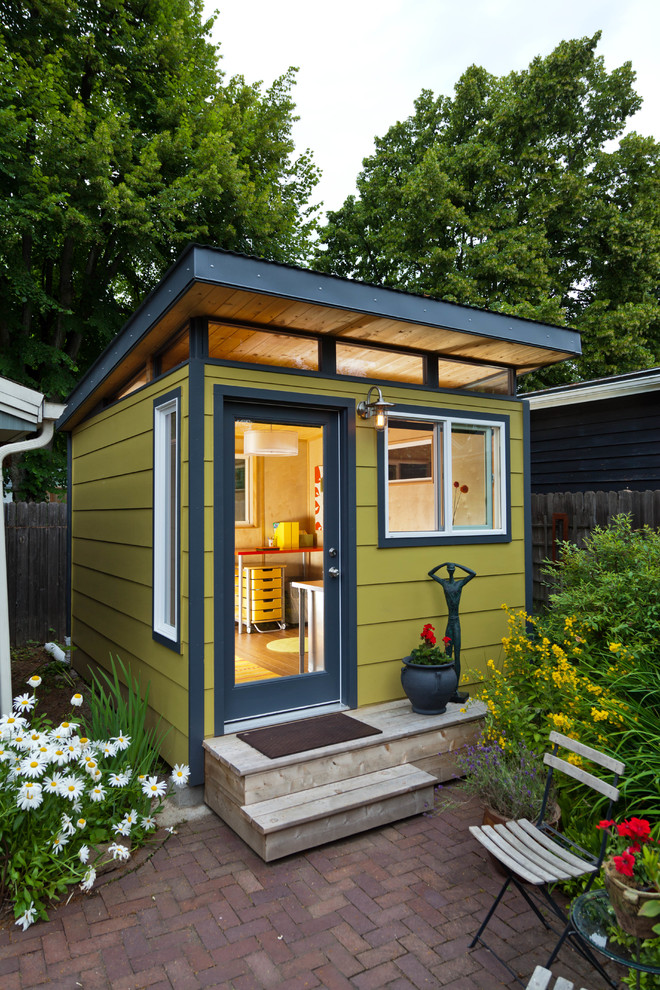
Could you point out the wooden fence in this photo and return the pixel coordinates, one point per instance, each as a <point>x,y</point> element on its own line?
<point>573,515</point>
<point>37,577</point>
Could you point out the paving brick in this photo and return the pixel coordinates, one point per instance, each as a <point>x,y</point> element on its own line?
<point>385,910</point>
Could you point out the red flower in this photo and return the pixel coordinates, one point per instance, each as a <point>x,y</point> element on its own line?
<point>456,485</point>
<point>465,489</point>
<point>635,828</point>
<point>624,864</point>
<point>446,640</point>
<point>605,823</point>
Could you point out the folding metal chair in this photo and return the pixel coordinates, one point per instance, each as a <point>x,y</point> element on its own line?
<point>537,854</point>
<point>541,981</point>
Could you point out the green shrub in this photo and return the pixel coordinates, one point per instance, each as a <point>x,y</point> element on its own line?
<point>613,585</point>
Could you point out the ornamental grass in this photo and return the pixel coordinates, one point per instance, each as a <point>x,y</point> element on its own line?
<point>66,801</point>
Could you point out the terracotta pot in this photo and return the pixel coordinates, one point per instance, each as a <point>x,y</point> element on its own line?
<point>626,902</point>
<point>428,688</point>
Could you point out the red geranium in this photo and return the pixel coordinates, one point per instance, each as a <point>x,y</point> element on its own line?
<point>629,839</point>
<point>625,863</point>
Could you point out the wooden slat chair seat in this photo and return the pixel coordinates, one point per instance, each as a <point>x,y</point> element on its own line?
<point>534,853</point>
<point>541,981</point>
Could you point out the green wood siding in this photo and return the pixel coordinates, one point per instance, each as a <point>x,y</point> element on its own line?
<point>394,596</point>
<point>112,502</point>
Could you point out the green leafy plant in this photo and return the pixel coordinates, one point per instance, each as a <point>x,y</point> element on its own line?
<point>65,801</point>
<point>613,584</point>
<point>117,709</point>
<point>429,653</point>
<point>509,777</point>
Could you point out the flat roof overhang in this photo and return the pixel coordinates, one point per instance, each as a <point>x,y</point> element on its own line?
<point>266,295</point>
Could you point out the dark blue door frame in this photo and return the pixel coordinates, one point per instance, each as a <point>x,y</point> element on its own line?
<point>337,417</point>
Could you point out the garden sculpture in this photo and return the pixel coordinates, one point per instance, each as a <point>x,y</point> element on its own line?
<point>452,589</point>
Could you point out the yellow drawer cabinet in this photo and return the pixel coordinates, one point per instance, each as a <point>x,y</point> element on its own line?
<point>261,599</point>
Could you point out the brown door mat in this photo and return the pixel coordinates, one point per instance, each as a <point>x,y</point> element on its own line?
<point>309,733</point>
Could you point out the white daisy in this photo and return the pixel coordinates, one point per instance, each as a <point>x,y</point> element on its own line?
<point>148,823</point>
<point>108,749</point>
<point>29,796</point>
<point>59,756</point>
<point>117,851</point>
<point>121,828</point>
<point>180,774</point>
<point>52,783</point>
<point>68,828</point>
<point>27,918</point>
<point>66,728</point>
<point>96,793</point>
<point>32,766</point>
<point>88,881</point>
<point>81,822</point>
<point>77,699</point>
<point>121,741</point>
<point>153,787</point>
<point>59,842</point>
<point>71,788</point>
<point>83,854</point>
<point>24,703</point>
<point>22,741</point>
<point>34,681</point>
<point>12,723</point>
<point>117,780</point>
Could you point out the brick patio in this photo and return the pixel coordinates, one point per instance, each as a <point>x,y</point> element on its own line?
<point>392,908</point>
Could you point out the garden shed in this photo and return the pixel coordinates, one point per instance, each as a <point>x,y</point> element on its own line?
<point>253,545</point>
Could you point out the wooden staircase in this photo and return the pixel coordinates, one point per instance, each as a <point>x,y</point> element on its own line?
<point>296,802</point>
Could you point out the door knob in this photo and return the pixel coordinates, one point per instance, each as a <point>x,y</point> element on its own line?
<point>333,572</point>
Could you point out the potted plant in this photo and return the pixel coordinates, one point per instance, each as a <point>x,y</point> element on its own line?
<point>509,779</point>
<point>632,875</point>
<point>428,676</point>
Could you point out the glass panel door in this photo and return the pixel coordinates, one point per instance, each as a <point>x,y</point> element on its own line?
<point>283,540</point>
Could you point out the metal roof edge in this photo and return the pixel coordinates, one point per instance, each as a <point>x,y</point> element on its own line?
<point>595,390</point>
<point>290,282</point>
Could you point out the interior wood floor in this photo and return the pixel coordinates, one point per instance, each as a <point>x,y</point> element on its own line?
<point>253,647</point>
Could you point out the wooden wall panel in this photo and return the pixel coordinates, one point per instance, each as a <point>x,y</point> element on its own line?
<point>112,553</point>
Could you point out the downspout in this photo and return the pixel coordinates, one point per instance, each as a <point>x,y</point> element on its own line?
<point>41,440</point>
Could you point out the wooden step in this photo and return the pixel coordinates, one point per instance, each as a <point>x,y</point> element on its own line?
<point>428,742</point>
<point>291,823</point>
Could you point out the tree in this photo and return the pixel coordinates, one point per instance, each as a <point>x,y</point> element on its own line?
<point>512,196</point>
<point>120,142</point>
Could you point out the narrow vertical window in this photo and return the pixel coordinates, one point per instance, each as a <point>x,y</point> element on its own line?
<point>166,520</point>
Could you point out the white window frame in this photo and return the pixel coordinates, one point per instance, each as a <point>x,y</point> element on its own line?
<point>166,523</point>
<point>444,492</point>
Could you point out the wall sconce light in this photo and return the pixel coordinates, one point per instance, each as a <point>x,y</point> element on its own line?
<point>377,408</point>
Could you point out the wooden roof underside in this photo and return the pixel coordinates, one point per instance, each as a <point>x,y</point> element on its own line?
<point>261,295</point>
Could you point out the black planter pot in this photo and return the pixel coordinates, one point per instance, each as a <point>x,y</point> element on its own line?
<point>428,688</point>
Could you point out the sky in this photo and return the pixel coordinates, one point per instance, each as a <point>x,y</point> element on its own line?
<point>362,63</point>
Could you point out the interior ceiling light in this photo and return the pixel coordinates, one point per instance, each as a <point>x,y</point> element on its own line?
<point>270,443</point>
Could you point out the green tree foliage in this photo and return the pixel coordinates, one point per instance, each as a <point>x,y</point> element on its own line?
<point>513,195</point>
<point>120,142</point>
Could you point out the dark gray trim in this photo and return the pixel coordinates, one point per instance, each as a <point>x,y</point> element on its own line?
<point>452,539</point>
<point>223,572</point>
<point>216,267</point>
<point>171,644</point>
<point>196,549</point>
<point>527,505</point>
<point>69,528</point>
